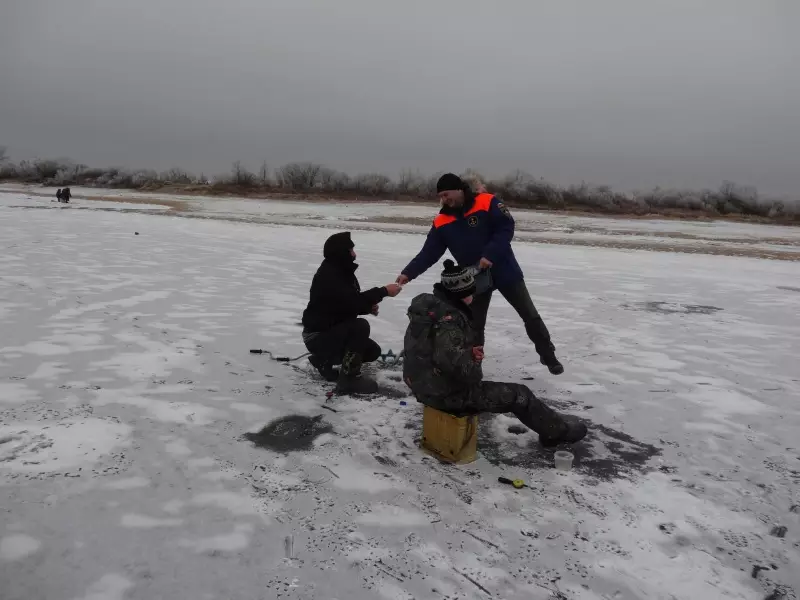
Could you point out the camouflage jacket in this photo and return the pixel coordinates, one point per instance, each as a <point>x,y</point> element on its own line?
<point>439,366</point>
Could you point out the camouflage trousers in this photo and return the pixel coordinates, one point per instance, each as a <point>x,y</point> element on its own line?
<point>515,398</point>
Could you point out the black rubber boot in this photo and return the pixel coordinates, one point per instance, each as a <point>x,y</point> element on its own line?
<point>351,382</point>
<point>552,364</point>
<point>325,368</point>
<point>573,431</point>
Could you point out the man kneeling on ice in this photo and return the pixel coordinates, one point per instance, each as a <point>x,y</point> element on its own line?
<point>332,329</point>
<point>442,364</point>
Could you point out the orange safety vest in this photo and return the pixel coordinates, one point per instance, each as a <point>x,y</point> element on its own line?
<point>482,203</point>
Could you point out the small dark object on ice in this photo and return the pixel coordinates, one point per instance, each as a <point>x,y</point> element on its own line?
<point>779,531</point>
<point>795,508</point>
<point>667,528</point>
<point>517,429</point>
<point>278,358</point>
<point>517,484</point>
<point>756,570</point>
<point>135,233</point>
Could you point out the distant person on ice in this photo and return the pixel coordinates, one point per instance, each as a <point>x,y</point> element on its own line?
<point>58,195</point>
<point>65,195</point>
<point>477,230</point>
<point>333,331</point>
<point>442,364</point>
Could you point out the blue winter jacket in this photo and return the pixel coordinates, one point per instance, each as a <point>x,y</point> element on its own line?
<point>482,228</point>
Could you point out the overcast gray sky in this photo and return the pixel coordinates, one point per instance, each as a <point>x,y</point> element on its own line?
<point>632,93</point>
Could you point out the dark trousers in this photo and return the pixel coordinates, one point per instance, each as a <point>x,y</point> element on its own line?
<point>350,336</point>
<point>519,298</point>
<point>497,397</point>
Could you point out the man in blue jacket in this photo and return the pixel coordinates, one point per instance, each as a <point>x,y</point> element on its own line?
<point>477,230</point>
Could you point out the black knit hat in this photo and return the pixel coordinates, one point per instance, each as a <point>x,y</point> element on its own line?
<point>458,281</point>
<point>338,246</point>
<point>450,181</point>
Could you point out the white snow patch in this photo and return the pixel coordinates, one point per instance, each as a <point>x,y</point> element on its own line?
<point>357,479</point>
<point>178,448</point>
<point>71,313</point>
<point>108,587</point>
<point>219,476</point>
<point>65,445</point>
<point>235,541</point>
<point>48,370</point>
<point>250,408</point>
<point>144,522</point>
<point>128,483</point>
<point>238,504</point>
<point>384,515</point>
<point>173,507</point>
<point>39,349</point>
<point>17,393</point>
<point>160,410</point>
<point>726,403</point>
<point>201,463</point>
<point>18,546</point>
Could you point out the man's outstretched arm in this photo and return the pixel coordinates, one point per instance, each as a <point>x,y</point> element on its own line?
<point>432,251</point>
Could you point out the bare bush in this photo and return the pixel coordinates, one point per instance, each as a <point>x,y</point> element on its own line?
<point>372,184</point>
<point>299,176</point>
<point>144,178</point>
<point>411,183</point>
<point>333,181</point>
<point>221,180</point>
<point>241,177</point>
<point>176,177</point>
<point>263,174</point>
<point>518,188</point>
<point>429,189</point>
<point>8,172</point>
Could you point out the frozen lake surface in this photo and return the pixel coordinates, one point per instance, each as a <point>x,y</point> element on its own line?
<point>126,388</point>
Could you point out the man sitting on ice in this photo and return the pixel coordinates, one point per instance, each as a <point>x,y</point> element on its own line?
<point>442,364</point>
<point>333,331</point>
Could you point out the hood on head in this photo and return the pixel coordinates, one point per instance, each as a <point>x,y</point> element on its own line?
<point>338,246</point>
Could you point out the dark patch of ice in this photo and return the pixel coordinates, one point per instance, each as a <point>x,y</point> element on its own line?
<point>613,454</point>
<point>668,308</point>
<point>290,433</point>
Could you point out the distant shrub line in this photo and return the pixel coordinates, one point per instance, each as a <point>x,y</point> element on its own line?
<point>518,188</point>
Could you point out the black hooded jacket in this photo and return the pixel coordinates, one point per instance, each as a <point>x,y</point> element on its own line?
<point>335,295</point>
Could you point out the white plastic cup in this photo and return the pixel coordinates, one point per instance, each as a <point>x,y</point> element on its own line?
<point>563,460</point>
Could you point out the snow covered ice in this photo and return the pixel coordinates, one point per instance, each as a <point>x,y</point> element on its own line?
<point>126,388</point>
